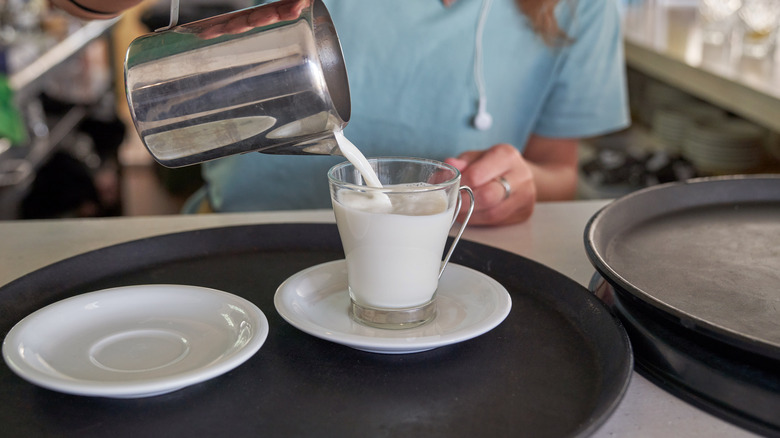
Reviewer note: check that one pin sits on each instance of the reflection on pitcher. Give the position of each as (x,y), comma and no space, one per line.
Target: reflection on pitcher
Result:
(248,19)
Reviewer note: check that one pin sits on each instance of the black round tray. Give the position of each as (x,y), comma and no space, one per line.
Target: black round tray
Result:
(701,253)
(557,366)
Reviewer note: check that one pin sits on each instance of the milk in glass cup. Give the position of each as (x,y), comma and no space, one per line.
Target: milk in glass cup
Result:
(394,236)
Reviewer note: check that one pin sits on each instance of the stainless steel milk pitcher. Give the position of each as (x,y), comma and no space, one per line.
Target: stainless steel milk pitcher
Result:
(257,79)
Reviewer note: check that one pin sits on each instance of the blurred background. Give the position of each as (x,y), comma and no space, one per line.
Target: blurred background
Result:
(704,92)
(704,89)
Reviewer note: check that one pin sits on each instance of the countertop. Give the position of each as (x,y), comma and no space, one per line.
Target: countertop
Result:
(553,236)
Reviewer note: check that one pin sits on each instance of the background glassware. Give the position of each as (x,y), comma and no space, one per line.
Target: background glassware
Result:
(760,20)
(716,18)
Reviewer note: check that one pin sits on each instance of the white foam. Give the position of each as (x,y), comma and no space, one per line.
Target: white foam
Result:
(408,202)
(420,203)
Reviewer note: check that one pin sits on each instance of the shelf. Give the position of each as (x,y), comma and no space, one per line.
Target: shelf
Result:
(664,41)
(26,82)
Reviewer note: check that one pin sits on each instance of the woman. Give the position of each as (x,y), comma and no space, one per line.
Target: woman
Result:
(501,89)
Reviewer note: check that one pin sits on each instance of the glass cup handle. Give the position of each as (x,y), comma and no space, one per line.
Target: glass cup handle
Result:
(458,206)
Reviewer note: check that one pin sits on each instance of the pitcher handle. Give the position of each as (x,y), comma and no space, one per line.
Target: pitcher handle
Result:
(174,16)
(458,206)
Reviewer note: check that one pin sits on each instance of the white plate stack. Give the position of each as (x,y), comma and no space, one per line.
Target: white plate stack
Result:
(704,112)
(724,146)
(658,96)
(670,127)
(672,121)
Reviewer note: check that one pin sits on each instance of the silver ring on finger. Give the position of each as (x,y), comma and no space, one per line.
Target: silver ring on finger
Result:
(505,184)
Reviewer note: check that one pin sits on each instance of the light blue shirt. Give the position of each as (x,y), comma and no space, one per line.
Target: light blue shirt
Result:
(411,73)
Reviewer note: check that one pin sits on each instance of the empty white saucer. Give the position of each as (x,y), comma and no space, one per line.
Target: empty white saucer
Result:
(316,301)
(135,341)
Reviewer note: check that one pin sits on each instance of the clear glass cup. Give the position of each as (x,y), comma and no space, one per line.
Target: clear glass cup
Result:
(394,237)
(760,20)
(717,18)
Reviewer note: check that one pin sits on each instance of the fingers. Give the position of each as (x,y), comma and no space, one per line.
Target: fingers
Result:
(487,165)
(502,182)
(457,163)
(290,10)
(239,24)
(469,157)
(489,195)
(263,17)
(517,208)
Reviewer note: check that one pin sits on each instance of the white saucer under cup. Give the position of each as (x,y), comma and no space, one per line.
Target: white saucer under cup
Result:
(316,301)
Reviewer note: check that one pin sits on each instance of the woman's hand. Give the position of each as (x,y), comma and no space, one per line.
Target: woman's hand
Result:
(493,204)
(547,171)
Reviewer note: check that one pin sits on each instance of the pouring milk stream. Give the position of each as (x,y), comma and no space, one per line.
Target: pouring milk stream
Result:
(379,201)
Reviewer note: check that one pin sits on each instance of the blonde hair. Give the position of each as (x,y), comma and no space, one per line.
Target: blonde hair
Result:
(541,15)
